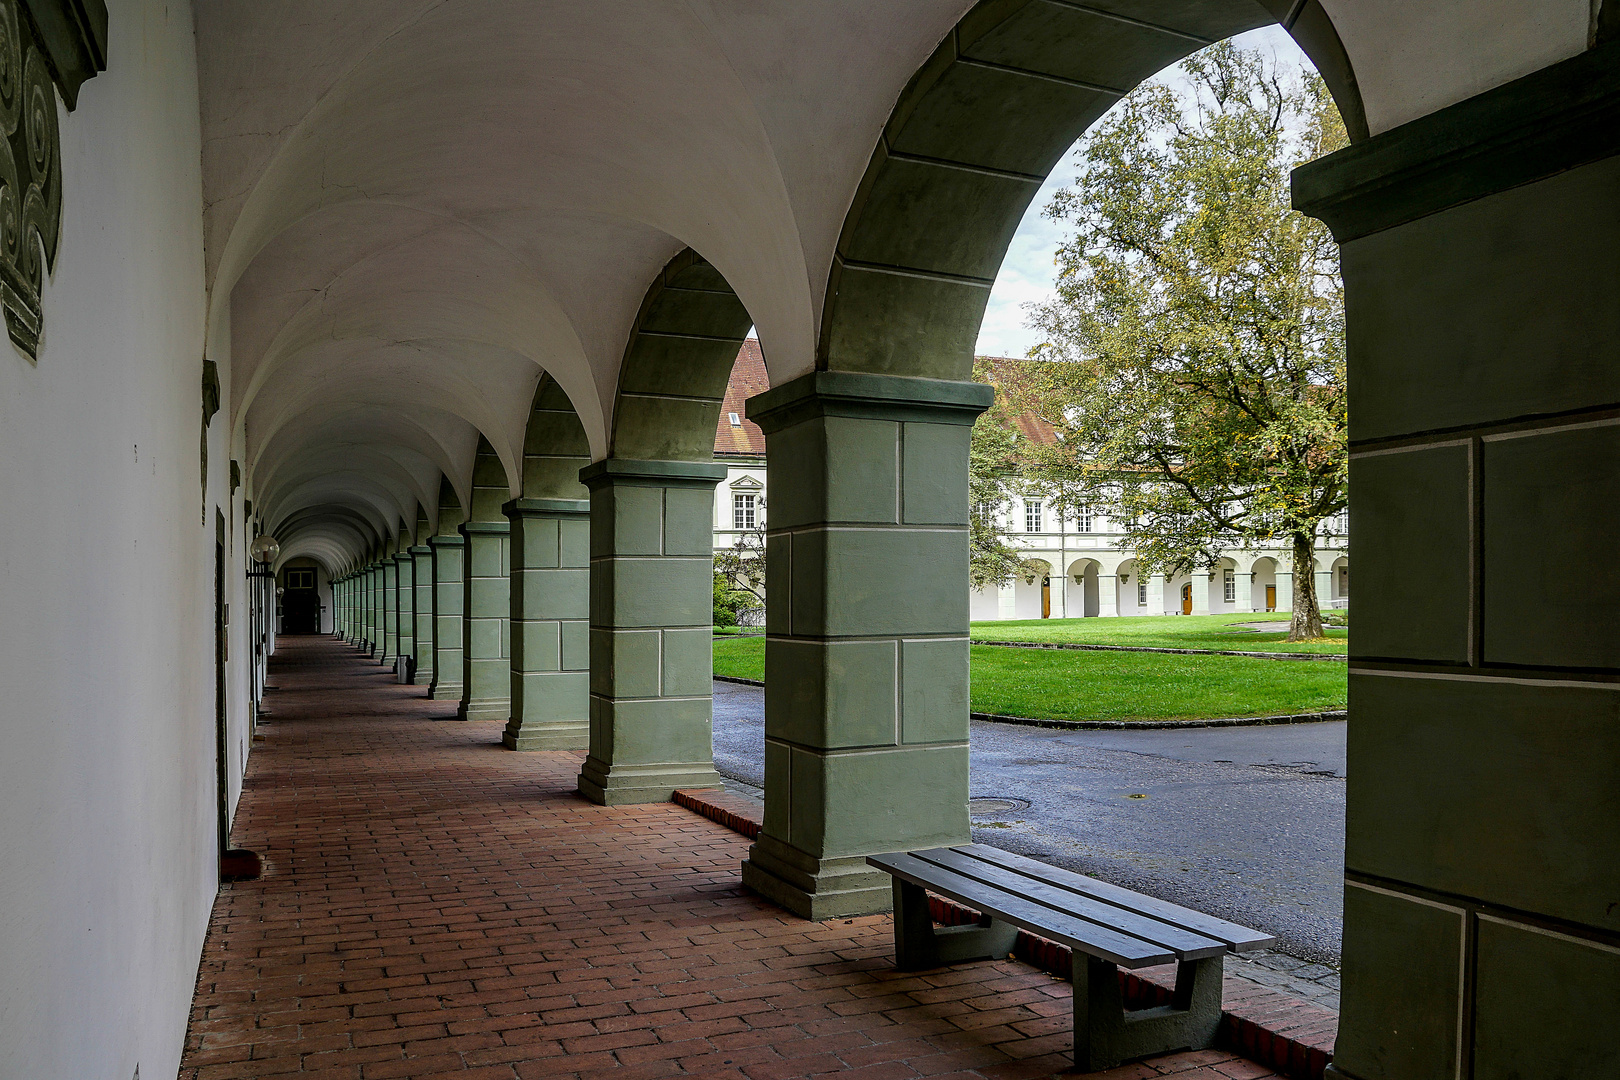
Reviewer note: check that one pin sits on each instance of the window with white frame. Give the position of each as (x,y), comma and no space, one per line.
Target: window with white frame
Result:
(742,511)
(985,513)
(1141,594)
(1032,515)
(1082,519)
(1229,580)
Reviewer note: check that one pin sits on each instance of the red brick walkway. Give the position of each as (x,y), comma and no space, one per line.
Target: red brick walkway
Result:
(433,905)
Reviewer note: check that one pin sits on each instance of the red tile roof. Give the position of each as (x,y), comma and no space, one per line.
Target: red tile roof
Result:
(1007,373)
(747,379)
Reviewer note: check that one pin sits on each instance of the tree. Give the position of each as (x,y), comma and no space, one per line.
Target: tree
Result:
(992,462)
(1198,325)
(739,571)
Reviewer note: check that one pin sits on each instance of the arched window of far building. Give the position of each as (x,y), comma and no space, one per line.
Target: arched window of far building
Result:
(1032,515)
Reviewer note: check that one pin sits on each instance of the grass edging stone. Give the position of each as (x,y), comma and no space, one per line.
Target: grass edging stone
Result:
(1156,649)
(1120,725)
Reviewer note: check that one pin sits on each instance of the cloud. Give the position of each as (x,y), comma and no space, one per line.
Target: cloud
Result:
(1028,272)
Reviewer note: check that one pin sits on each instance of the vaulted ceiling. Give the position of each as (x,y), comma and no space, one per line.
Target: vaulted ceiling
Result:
(415,207)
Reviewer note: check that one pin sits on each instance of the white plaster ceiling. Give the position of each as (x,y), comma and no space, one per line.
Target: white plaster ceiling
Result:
(413,207)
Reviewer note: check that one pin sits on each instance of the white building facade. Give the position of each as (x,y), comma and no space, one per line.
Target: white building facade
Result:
(1079,566)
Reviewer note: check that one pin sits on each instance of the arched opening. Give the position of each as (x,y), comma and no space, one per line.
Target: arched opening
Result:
(1339,589)
(1082,591)
(1133,589)
(1263,587)
(1032,591)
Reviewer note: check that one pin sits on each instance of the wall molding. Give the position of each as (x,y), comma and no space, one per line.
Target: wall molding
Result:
(1550,121)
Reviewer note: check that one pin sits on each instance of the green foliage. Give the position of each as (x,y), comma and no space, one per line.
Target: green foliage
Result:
(728,601)
(742,566)
(1198,324)
(992,464)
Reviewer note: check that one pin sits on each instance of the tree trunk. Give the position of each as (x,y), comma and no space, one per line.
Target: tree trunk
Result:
(1306,623)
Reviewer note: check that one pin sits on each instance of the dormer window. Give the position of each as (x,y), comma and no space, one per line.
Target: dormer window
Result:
(736,421)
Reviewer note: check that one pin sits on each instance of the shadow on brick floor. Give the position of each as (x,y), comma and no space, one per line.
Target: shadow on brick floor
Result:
(434,905)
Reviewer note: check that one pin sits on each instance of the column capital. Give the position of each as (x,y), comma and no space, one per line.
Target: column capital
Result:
(485,528)
(402,556)
(547,508)
(655,473)
(421,549)
(445,541)
(871,397)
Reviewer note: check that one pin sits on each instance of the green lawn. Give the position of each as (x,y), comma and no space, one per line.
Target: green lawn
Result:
(1065,685)
(1167,632)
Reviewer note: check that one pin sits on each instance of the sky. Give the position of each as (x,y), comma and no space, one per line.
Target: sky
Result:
(1028,272)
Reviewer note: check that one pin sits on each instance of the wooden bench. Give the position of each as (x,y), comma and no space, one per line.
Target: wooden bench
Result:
(1105,926)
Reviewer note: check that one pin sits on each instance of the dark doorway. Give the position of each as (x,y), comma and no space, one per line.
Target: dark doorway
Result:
(301,603)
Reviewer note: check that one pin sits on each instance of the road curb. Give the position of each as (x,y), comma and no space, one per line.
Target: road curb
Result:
(740,682)
(1293,1037)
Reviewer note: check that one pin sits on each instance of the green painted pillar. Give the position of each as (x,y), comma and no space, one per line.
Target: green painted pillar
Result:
(866,659)
(448,554)
(405,602)
(422,590)
(371,608)
(651,637)
(486,610)
(550,619)
(389,572)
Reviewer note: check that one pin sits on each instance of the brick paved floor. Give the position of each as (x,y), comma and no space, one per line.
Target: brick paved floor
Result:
(434,905)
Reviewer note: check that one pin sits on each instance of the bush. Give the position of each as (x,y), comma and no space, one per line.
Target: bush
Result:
(728,601)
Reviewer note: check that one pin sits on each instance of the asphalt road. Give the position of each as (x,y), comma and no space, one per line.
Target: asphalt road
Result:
(1246,823)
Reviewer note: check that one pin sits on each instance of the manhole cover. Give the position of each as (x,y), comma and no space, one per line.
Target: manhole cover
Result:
(993,808)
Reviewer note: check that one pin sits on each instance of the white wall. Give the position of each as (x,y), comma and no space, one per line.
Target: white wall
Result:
(106,733)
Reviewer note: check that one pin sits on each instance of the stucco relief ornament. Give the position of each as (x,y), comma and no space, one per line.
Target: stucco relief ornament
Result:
(30,178)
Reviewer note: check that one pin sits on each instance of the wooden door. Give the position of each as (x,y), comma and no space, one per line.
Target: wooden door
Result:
(1046,597)
(1186,599)
(1271,598)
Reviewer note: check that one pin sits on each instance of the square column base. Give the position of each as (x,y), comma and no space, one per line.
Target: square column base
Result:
(484,709)
(622,785)
(544,735)
(815,888)
(445,692)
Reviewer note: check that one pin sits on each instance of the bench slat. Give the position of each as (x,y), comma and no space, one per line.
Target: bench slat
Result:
(1186,944)
(1087,937)
(1240,938)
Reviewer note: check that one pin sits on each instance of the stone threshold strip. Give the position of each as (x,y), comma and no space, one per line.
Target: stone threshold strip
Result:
(1152,648)
(1293,1037)
(1120,725)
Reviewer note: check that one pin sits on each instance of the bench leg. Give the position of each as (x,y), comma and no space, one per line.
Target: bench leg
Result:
(1105,1034)
(920,945)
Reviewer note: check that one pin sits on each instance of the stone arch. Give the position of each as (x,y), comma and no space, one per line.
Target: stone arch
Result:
(970,141)
(1339,585)
(676,364)
(555,446)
